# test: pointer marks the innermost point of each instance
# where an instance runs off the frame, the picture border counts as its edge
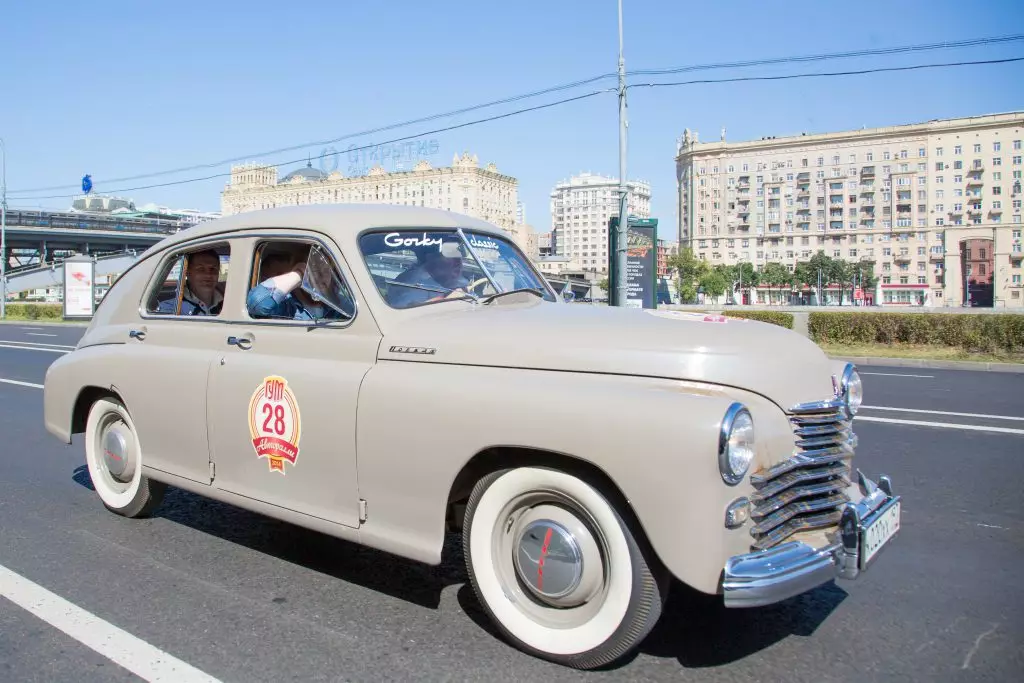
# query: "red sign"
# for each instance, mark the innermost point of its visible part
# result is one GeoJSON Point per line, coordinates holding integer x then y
{"type": "Point", "coordinates": [858, 294]}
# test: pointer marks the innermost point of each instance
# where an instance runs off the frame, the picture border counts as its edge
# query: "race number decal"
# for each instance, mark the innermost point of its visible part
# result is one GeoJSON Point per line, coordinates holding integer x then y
{"type": "Point", "coordinates": [274, 423]}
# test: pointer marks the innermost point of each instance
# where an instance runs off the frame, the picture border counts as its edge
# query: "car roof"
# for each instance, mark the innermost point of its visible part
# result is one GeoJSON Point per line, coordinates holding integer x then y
{"type": "Point", "coordinates": [341, 221]}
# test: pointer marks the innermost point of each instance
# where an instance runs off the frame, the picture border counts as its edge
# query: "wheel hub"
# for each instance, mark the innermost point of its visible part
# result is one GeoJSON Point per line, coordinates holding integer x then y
{"type": "Point", "coordinates": [117, 456]}
{"type": "Point", "coordinates": [548, 559]}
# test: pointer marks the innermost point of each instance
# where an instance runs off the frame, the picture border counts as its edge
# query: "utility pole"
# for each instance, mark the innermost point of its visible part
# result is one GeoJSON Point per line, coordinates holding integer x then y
{"type": "Point", "coordinates": [623, 226]}
{"type": "Point", "coordinates": [3, 232]}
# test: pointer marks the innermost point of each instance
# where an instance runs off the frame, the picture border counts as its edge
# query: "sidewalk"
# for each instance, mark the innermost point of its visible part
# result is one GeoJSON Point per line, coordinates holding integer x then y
{"type": "Point", "coordinates": [932, 364]}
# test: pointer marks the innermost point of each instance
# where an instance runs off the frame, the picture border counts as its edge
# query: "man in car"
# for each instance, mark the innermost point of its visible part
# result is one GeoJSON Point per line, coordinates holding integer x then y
{"type": "Point", "coordinates": [439, 268]}
{"type": "Point", "coordinates": [201, 296]}
{"type": "Point", "coordinates": [279, 294]}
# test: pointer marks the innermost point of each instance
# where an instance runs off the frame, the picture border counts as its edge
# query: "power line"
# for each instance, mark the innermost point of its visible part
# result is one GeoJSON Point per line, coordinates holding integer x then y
{"type": "Point", "coordinates": [823, 74]}
{"type": "Point", "coordinates": [386, 142]}
{"type": "Point", "coordinates": [972, 42]}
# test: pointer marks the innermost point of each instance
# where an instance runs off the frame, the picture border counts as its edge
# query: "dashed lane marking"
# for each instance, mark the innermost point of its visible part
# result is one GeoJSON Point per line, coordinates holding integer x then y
{"type": "Point", "coordinates": [134, 654]}
{"type": "Point", "coordinates": [895, 374]}
{"type": "Point", "coordinates": [20, 383]}
{"type": "Point", "coordinates": [944, 412]}
{"type": "Point", "coordinates": [947, 425]}
{"type": "Point", "coordinates": [25, 343]}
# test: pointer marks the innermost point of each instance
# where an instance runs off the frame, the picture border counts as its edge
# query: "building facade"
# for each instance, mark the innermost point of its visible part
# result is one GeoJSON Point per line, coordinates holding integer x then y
{"type": "Point", "coordinates": [463, 188]}
{"type": "Point", "coordinates": [910, 200]}
{"type": "Point", "coordinates": [580, 210]}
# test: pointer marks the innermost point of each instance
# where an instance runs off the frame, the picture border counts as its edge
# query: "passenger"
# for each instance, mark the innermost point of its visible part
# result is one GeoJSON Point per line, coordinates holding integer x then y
{"type": "Point", "coordinates": [439, 268]}
{"type": "Point", "coordinates": [201, 295]}
{"type": "Point", "coordinates": [279, 294]}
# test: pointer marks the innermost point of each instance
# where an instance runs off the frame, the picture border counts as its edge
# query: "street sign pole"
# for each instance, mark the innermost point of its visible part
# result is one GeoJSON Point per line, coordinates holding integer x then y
{"type": "Point", "coordinates": [621, 243]}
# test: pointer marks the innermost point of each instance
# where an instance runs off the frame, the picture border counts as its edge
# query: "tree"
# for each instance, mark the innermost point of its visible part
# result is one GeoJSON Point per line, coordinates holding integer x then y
{"type": "Point", "coordinates": [603, 284]}
{"type": "Point", "coordinates": [715, 282]}
{"type": "Point", "coordinates": [745, 276]}
{"type": "Point", "coordinates": [775, 274]}
{"type": "Point", "coordinates": [690, 270]}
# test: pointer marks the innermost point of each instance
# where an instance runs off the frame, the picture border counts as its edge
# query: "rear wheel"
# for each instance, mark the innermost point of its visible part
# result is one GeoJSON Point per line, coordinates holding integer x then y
{"type": "Point", "coordinates": [558, 569]}
{"type": "Point", "coordinates": [114, 458]}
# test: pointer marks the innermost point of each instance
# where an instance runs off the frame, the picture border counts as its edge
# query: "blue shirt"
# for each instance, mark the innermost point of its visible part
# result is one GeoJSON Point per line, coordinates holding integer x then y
{"type": "Point", "coordinates": [267, 301]}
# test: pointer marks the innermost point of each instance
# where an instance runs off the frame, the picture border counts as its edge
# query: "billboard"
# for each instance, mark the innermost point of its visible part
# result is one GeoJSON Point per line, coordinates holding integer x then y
{"type": "Point", "coordinates": [641, 262]}
{"type": "Point", "coordinates": [79, 287]}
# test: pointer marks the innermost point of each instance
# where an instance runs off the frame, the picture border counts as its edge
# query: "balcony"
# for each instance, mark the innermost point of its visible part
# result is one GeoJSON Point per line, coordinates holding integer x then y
{"type": "Point", "coordinates": [867, 172]}
{"type": "Point", "coordinates": [902, 258]}
{"type": "Point", "coordinates": [867, 258]}
{"type": "Point", "coordinates": [936, 256]}
{"type": "Point", "coordinates": [956, 212]}
{"type": "Point", "coordinates": [974, 182]}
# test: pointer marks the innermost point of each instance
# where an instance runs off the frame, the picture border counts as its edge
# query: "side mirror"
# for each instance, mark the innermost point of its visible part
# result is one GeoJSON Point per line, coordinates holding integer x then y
{"type": "Point", "coordinates": [567, 295]}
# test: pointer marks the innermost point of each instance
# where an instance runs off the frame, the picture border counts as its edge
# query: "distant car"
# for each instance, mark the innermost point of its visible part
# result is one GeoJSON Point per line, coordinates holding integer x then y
{"type": "Point", "coordinates": [385, 373]}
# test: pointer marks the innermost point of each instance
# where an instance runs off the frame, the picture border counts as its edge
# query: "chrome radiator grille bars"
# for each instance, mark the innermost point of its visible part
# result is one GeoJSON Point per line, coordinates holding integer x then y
{"type": "Point", "coordinates": [805, 491]}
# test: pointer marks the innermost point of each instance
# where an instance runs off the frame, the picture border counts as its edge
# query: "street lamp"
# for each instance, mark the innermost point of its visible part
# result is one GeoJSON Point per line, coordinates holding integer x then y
{"type": "Point", "coordinates": [3, 232]}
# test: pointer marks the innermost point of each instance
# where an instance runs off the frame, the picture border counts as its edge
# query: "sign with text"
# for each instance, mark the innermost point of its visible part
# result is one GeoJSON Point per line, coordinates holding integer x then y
{"type": "Point", "coordinates": [79, 287]}
{"type": "Point", "coordinates": [641, 262]}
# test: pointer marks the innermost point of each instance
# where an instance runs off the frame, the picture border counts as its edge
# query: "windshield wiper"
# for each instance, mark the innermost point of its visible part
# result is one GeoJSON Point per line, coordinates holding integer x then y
{"type": "Point", "coordinates": [532, 290]}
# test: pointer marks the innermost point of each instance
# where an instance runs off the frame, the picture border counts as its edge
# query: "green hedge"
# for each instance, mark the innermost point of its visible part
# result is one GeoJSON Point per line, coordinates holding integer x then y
{"type": "Point", "coordinates": [980, 332]}
{"type": "Point", "coordinates": [774, 317]}
{"type": "Point", "coordinates": [35, 311]}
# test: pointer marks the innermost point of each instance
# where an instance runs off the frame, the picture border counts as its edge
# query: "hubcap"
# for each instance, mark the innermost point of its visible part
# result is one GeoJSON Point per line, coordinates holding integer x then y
{"type": "Point", "coordinates": [117, 452]}
{"type": "Point", "coordinates": [548, 559]}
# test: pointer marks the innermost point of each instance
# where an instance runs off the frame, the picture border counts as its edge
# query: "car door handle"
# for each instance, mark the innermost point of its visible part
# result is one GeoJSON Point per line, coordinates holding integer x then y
{"type": "Point", "coordinates": [240, 342]}
{"type": "Point", "coordinates": [138, 334]}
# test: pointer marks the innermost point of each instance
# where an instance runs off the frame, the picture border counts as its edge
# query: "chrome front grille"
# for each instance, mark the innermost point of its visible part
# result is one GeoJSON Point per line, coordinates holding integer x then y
{"type": "Point", "coordinates": [806, 491]}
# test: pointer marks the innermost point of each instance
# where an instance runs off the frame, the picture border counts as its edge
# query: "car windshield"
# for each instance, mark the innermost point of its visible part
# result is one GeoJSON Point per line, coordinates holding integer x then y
{"type": "Point", "coordinates": [416, 267]}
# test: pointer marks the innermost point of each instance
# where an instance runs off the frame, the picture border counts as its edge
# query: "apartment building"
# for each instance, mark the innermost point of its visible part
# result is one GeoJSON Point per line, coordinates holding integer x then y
{"type": "Point", "coordinates": [464, 187]}
{"type": "Point", "coordinates": [911, 200]}
{"type": "Point", "coordinates": [580, 210]}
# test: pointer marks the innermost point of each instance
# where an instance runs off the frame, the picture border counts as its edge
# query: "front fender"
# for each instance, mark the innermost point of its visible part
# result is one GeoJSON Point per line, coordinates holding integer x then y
{"type": "Point", "coordinates": [657, 440]}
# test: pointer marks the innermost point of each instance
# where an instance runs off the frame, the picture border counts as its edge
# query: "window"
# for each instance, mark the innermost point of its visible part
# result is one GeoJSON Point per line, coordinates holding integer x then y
{"type": "Point", "coordinates": [419, 267]}
{"type": "Point", "coordinates": [200, 292]}
{"type": "Point", "coordinates": [310, 286]}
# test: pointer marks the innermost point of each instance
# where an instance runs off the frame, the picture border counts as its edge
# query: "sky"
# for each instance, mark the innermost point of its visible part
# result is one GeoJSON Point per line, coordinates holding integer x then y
{"type": "Point", "coordinates": [119, 89]}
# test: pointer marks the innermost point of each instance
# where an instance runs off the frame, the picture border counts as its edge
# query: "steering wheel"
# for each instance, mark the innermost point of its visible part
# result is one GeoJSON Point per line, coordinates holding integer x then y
{"type": "Point", "coordinates": [476, 283]}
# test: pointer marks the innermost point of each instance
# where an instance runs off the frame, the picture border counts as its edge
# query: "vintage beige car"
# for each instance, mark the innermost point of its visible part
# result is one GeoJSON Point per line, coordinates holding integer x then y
{"type": "Point", "coordinates": [386, 374]}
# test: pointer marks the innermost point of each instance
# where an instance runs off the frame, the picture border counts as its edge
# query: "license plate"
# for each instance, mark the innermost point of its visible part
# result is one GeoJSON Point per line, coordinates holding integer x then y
{"type": "Point", "coordinates": [874, 537]}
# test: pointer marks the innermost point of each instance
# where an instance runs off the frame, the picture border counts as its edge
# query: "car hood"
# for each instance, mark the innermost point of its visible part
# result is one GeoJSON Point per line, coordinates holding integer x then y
{"type": "Point", "coordinates": [777, 363]}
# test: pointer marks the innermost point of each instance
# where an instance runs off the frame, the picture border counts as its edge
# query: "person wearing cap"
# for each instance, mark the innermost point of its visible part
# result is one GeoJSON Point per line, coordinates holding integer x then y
{"type": "Point", "coordinates": [439, 268]}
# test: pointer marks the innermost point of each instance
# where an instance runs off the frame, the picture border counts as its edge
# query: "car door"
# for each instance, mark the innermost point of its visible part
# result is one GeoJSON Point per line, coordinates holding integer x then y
{"type": "Point", "coordinates": [282, 400]}
{"type": "Point", "coordinates": [162, 375]}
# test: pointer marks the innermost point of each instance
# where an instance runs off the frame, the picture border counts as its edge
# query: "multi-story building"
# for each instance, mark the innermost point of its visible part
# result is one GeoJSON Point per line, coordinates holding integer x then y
{"type": "Point", "coordinates": [463, 188]}
{"type": "Point", "coordinates": [908, 199]}
{"type": "Point", "coordinates": [580, 210]}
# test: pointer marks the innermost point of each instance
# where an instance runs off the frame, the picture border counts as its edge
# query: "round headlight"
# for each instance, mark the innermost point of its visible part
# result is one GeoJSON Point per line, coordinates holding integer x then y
{"type": "Point", "coordinates": [853, 390]}
{"type": "Point", "coordinates": [735, 444]}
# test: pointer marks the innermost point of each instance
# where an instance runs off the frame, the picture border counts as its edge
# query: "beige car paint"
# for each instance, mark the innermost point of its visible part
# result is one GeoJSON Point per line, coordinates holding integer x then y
{"type": "Point", "coordinates": [638, 394]}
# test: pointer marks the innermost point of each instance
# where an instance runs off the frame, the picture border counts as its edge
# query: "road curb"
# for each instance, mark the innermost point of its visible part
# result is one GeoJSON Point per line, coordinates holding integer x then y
{"type": "Point", "coordinates": [933, 364]}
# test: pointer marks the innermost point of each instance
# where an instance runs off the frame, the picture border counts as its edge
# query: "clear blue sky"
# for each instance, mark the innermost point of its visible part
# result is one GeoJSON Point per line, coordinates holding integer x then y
{"type": "Point", "coordinates": [117, 89]}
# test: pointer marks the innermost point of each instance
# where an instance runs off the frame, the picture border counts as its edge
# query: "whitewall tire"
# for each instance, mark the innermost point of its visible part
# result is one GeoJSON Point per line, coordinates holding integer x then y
{"type": "Point", "coordinates": [558, 569]}
{"type": "Point", "coordinates": [113, 455]}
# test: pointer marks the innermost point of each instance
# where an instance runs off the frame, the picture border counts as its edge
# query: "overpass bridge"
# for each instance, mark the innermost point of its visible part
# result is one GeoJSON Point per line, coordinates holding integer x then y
{"type": "Point", "coordinates": [38, 242]}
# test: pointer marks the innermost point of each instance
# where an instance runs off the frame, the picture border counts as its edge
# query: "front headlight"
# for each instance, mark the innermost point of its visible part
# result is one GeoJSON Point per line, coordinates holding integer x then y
{"type": "Point", "coordinates": [853, 390]}
{"type": "Point", "coordinates": [735, 444]}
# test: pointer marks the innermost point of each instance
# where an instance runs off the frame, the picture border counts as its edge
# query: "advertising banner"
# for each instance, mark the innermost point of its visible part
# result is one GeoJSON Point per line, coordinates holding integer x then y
{"type": "Point", "coordinates": [79, 287]}
{"type": "Point", "coordinates": [641, 262]}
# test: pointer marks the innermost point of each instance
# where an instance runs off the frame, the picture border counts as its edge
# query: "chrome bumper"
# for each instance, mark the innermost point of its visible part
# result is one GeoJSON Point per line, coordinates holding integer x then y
{"type": "Point", "coordinates": [769, 576]}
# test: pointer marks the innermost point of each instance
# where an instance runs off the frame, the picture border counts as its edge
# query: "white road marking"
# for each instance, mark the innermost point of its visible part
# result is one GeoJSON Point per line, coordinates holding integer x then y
{"type": "Point", "coordinates": [27, 343]}
{"type": "Point", "coordinates": [948, 425]}
{"type": "Point", "coordinates": [34, 348]}
{"type": "Point", "coordinates": [39, 334]}
{"type": "Point", "coordinates": [32, 328]}
{"type": "Point", "coordinates": [895, 374]}
{"type": "Point", "coordinates": [944, 412]}
{"type": "Point", "coordinates": [134, 654]}
{"type": "Point", "coordinates": [20, 383]}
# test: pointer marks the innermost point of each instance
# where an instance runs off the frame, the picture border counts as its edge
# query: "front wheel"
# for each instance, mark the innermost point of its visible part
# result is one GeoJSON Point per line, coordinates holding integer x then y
{"type": "Point", "coordinates": [557, 568]}
{"type": "Point", "coordinates": [114, 458]}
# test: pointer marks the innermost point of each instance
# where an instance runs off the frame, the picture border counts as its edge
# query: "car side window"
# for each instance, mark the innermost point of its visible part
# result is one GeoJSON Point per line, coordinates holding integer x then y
{"type": "Point", "coordinates": [296, 279]}
{"type": "Point", "coordinates": [192, 283]}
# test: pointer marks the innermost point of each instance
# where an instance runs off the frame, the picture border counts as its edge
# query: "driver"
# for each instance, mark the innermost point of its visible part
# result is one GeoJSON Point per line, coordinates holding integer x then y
{"type": "Point", "coordinates": [279, 294]}
{"type": "Point", "coordinates": [439, 268]}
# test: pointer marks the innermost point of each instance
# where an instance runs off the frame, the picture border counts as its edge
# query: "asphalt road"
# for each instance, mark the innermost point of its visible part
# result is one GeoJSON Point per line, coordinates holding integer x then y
{"type": "Point", "coordinates": [244, 598]}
